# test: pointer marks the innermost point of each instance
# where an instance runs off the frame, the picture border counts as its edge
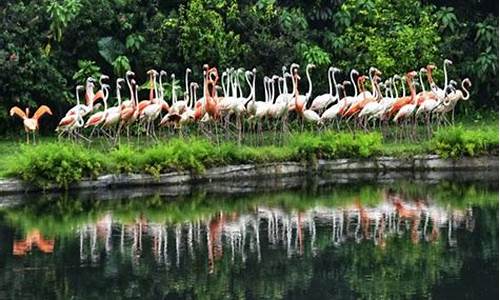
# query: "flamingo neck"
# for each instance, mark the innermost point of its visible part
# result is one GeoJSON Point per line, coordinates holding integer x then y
{"type": "Point", "coordinates": [335, 83]}
{"type": "Point", "coordinates": [353, 83]}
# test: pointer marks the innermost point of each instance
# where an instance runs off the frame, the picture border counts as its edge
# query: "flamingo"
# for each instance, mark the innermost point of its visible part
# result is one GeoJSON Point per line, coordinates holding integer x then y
{"type": "Point", "coordinates": [129, 114]}
{"type": "Point", "coordinates": [71, 122]}
{"type": "Point", "coordinates": [302, 99]}
{"type": "Point", "coordinates": [407, 110]}
{"type": "Point", "coordinates": [321, 101]}
{"type": "Point", "coordinates": [85, 109]}
{"type": "Point", "coordinates": [153, 91]}
{"type": "Point", "coordinates": [113, 113]}
{"type": "Point", "coordinates": [307, 114]}
{"type": "Point", "coordinates": [30, 124]}
{"type": "Point", "coordinates": [178, 107]}
{"type": "Point", "coordinates": [152, 111]}
{"type": "Point", "coordinates": [334, 111]}
{"type": "Point", "coordinates": [451, 99]}
{"type": "Point", "coordinates": [130, 102]}
{"type": "Point", "coordinates": [99, 117]}
{"type": "Point", "coordinates": [400, 102]}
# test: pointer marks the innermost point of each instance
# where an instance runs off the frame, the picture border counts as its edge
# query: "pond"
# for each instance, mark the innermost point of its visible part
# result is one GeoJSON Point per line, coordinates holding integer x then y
{"type": "Point", "coordinates": [401, 239]}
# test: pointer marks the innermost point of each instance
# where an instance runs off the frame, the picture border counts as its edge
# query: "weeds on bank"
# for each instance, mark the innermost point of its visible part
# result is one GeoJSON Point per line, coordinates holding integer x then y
{"type": "Point", "coordinates": [64, 163]}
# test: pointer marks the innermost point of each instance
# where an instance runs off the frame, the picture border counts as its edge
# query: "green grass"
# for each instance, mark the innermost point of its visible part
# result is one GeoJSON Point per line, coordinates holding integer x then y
{"type": "Point", "coordinates": [64, 163]}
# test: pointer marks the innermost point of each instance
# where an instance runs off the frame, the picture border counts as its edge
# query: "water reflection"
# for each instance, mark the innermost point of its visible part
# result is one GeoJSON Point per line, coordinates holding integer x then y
{"type": "Point", "coordinates": [355, 238]}
{"type": "Point", "coordinates": [238, 235]}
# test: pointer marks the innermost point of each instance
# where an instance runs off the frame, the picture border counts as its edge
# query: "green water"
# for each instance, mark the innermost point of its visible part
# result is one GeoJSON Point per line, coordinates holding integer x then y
{"type": "Point", "coordinates": [401, 240]}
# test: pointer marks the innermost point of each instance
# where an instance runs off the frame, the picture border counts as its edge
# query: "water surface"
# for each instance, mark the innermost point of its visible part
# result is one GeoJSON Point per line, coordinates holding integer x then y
{"type": "Point", "coordinates": [399, 240]}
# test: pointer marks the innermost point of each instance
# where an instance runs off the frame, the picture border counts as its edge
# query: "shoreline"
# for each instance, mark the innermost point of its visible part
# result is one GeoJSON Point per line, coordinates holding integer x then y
{"type": "Point", "coordinates": [339, 169]}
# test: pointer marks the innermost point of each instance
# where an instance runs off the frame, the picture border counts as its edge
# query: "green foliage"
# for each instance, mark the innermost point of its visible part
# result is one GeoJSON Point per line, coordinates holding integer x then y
{"type": "Point", "coordinates": [61, 14]}
{"type": "Point", "coordinates": [395, 36]}
{"type": "Point", "coordinates": [203, 36]}
{"type": "Point", "coordinates": [41, 43]}
{"type": "Point", "coordinates": [121, 65]}
{"type": "Point", "coordinates": [88, 68]}
{"type": "Point", "coordinates": [455, 142]}
{"type": "Point", "coordinates": [337, 145]}
{"type": "Point", "coordinates": [58, 163]}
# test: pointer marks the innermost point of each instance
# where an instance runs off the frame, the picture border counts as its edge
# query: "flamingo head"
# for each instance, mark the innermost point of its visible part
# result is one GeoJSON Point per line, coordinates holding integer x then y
{"type": "Point", "coordinates": [254, 70]}
{"type": "Point", "coordinates": [188, 70]}
{"type": "Point", "coordinates": [423, 70]}
{"type": "Point", "coordinates": [310, 66]}
{"type": "Point", "coordinates": [129, 74]}
{"type": "Point", "coordinates": [79, 87]}
{"type": "Point", "coordinates": [283, 69]}
{"type": "Point", "coordinates": [377, 72]}
{"type": "Point", "coordinates": [448, 62]}
{"type": "Point", "coordinates": [103, 77]}
{"type": "Point", "coordinates": [354, 71]}
{"type": "Point", "coordinates": [411, 74]}
{"type": "Point", "coordinates": [163, 73]}
{"type": "Point", "coordinates": [336, 70]}
{"type": "Point", "coordinates": [396, 77]}
{"type": "Point", "coordinates": [467, 80]}
{"type": "Point", "coordinates": [274, 78]}
{"type": "Point", "coordinates": [119, 81]}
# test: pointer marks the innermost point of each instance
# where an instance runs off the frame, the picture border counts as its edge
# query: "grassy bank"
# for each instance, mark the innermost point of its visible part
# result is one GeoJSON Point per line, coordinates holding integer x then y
{"type": "Point", "coordinates": [63, 162]}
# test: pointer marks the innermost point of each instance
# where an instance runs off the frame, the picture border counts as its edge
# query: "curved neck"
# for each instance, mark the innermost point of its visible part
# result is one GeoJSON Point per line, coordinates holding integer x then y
{"type": "Point", "coordinates": [272, 90]}
{"type": "Point", "coordinates": [77, 98]}
{"type": "Point", "coordinates": [330, 83]}
{"type": "Point", "coordinates": [186, 81]}
{"type": "Point", "coordinates": [412, 88]}
{"type": "Point", "coordinates": [285, 84]}
{"type": "Point", "coordinates": [253, 87]}
{"type": "Point", "coordinates": [370, 75]}
{"type": "Point", "coordinates": [118, 94]}
{"type": "Point", "coordinates": [421, 81]}
{"type": "Point", "coordinates": [404, 88]}
{"type": "Point", "coordinates": [238, 85]}
{"type": "Point", "coordinates": [222, 82]}
{"type": "Point", "coordinates": [309, 92]}
{"type": "Point", "coordinates": [394, 86]}
{"type": "Point", "coordinates": [280, 91]}
{"type": "Point", "coordinates": [353, 84]}
{"type": "Point", "coordinates": [265, 91]}
{"type": "Point", "coordinates": [105, 98]}
{"type": "Point", "coordinates": [161, 91]}
{"type": "Point", "coordinates": [156, 87]}
{"type": "Point", "coordinates": [335, 84]}
{"type": "Point", "coordinates": [131, 92]}
{"type": "Point", "coordinates": [445, 75]}
{"type": "Point", "coordinates": [467, 94]}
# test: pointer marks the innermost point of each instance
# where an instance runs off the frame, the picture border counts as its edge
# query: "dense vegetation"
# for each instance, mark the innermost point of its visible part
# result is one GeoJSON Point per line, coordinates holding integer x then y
{"type": "Point", "coordinates": [64, 163]}
{"type": "Point", "coordinates": [47, 47]}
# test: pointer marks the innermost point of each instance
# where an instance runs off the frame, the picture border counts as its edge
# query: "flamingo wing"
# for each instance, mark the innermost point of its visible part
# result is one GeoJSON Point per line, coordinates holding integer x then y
{"type": "Point", "coordinates": [17, 111]}
{"type": "Point", "coordinates": [41, 111]}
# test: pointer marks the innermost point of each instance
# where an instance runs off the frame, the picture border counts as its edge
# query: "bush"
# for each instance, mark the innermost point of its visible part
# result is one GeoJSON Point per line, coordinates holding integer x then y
{"type": "Point", "coordinates": [456, 141]}
{"type": "Point", "coordinates": [59, 163]}
{"type": "Point", "coordinates": [337, 145]}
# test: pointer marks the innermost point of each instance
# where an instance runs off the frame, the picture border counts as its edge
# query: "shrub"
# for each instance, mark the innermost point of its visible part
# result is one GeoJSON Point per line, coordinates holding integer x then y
{"type": "Point", "coordinates": [59, 163]}
{"type": "Point", "coordinates": [456, 141]}
{"type": "Point", "coordinates": [337, 145]}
